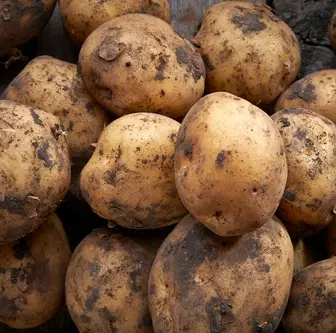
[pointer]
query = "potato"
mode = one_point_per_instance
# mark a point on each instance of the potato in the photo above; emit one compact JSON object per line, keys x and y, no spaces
{"x":130,"y":177}
{"x":138,"y":63}
{"x":248,"y":51}
{"x":32,"y":275}
{"x":315,"y":92}
{"x":34,"y":168}
{"x":230,"y":166}
{"x":310,"y":195}
{"x":332,"y":31}
{"x":202,"y":283}
{"x":107,"y":282}
{"x":80,"y":17}
{"x":304,"y":255}
{"x":21,"y":20}
{"x":312,"y":303}
{"x":53,"y":85}
{"x":331,"y":238}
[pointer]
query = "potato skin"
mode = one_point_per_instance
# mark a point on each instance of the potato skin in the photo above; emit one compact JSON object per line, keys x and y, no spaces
{"x":130,"y":177}
{"x":32,"y":275}
{"x":332,"y":31}
{"x":21,"y":20}
{"x":34,"y":168}
{"x":315,"y":92}
{"x":304,"y":255}
{"x":157,"y":71}
{"x":219,"y":280}
{"x":81,"y":18}
{"x":54,"y":86}
{"x":310,"y":195}
{"x":331,"y":238}
{"x":312,"y":302}
{"x":107,"y":282}
{"x":248,"y":51}
{"x":230,"y":166}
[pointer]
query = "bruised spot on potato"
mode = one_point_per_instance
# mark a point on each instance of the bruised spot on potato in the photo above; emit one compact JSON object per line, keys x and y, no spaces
{"x":37,"y":119}
{"x":111,"y":177}
{"x":152,"y":289}
{"x":106,"y":314}
{"x":134,"y":282}
{"x":15,"y":205}
{"x":220,"y":314}
{"x":289,"y":195}
{"x":247,"y":20}
{"x":160,"y":67}
{"x":315,"y":204}
{"x":173,"y":137}
{"x":91,"y":300}
{"x":182,"y":55}
{"x":93,"y":269}
{"x":110,"y":48}
{"x":89,"y":106}
{"x":188,"y":150}
{"x":327,"y":121}
{"x":207,"y":62}
{"x":20,"y":249}
{"x":267,"y":268}
{"x":44,"y":156}
{"x":221,"y":157}
{"x":71,"y":125}
{"x":301,"y":134}
{"x":85,"y":319}
{"x":285,"y":122}
{"x":307,"y":93}
{"x":15,"y":273}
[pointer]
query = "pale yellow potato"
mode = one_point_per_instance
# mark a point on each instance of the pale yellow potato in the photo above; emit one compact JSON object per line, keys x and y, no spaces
{"x":332,"y":31}
{"x":54,"y":86}
{"x":34,"y":168}
{"x":138,"y":63}
{"x":32,"y":275}
{"x":310,"y":196}
{"x":315,"y":92}
{"x":230,"y":164}
{"x":81,"y":17}
{"x":248,"y":51}
{"x":130,"y":177}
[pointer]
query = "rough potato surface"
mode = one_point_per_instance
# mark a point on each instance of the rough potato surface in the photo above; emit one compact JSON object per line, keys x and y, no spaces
{"x":230,"y":164}
{"x":229,"y":285}
{"x":34,"y":168}
{"x":310,"y":195}
{"x":138,"y":63}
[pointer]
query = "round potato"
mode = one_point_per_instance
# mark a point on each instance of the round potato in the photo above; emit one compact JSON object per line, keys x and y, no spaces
{"x":331,"y":238}
{"x":54,"y":86}
{"x":21,"y":20}
{"x":228,"y":284}
{"x":312,"y":303}
{"x":138,"y":63}
{"x":315,"y":92}
{"x":34,"y":168}
{"x":310,"y":196}
{"x":130,"y":177}
{"x":230,"y":166}
{"x":107,"y":282}
{"x":332,"y":31}
{"x":32,"y":275}
{"x":80,"y":17}
{"x":248,"y":51}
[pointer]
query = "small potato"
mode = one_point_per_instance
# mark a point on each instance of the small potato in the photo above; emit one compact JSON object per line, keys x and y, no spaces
{"x":331,"y":238}
{"x":32,"y":275}
{"x":312,"y":302}
{"x":81,"y":17}
{"x":304,"y":255}
{"x":53,"y":85}
{"x":138,"y":63}
{"x":310,"y":196}
{"x":130,"y":177}
{"x":21,"y":20}
{"x":230,"y":166}
{"x":202,"y":283}
{"x":34,"y":168}
{"x":248,"y":51}
{"x":107,"y":282}
{"x":315,"y":92}
{"x":332,"y":31}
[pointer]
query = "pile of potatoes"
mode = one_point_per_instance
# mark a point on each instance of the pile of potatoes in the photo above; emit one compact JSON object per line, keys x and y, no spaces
{"x":210,"y":164}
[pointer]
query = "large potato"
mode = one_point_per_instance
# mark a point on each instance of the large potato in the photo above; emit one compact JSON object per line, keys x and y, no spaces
{"x":230,"y":166}
{"x":331,"y":238}
{"x":32,"y":276}
{"x":107,"y":282}
{"x":81,"y":17}
{"x":332,"y":31}
{"x":34,"y":168}
{"x":21,"y":20}
{"x":312,"y":303}
{"x":202,"y":283}
{"x":130,"y":177}
{"x":315,"y":92}
{"x":248,"y":51}
{"x":53,"y":85}
{"x":138,"y":63}
{"x":310,"y":196}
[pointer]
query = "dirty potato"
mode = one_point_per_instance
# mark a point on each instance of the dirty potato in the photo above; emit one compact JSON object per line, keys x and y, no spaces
{"x":248,"y":51}
{"x":312,"y":302}
{"x":32,"y":275}
{"x":138,"y":63}
{"x":130,"y":177}
{"x":331,"y":238}
{"x":315,"y":92}
{"x":332,"y":31}
{"x":34,"y":168}
{"x":230,"y":166}
{"x":82,"y":17}
{"x":54,"y":86}
{"x":107,"y":282}
{"x":310,"y":196}
{"x":21,"y":20}
{"x":229,"y":285}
